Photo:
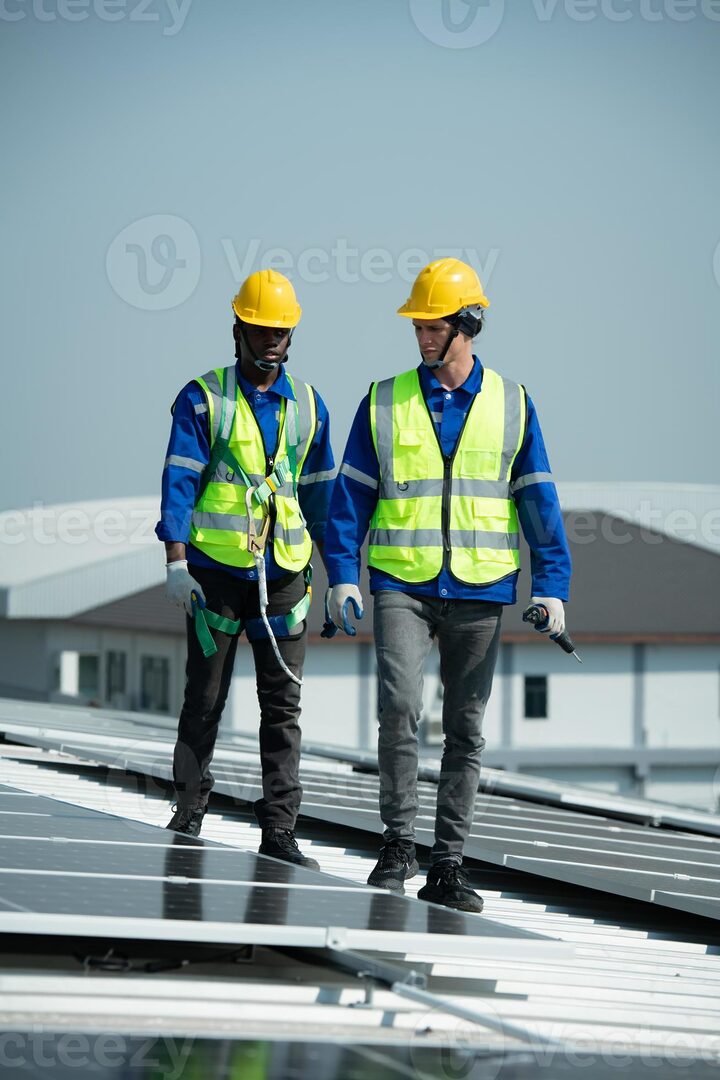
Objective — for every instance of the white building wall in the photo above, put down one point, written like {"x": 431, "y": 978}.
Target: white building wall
{"x": 673, "y": 690}
{"x": 685, "y": 785}
{"x": 589, "y": 704}
{"x": 682, "y": 695}
{"x": 241, "y": 710}
{"x": 332, "y": 696}
{"x": 66, "y": 637}
{"x": 336, "y": 700}
{"x": 23, "y": 659}
{"x": 613, "y": 779}
{"x": 492, "y": 723}
{"x": 593, "y": 704}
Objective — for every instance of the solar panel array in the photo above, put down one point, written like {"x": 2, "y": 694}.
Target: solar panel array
{"x": 657, "y": 865}
{"x": 636, "y": 978}
{"x": 89, "y": 873}
{"x": 541, "y": 789}
{"x": 536, "y": 789}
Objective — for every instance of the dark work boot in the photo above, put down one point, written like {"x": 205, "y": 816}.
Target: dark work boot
{"x": 280, "y": 843}
{"x": 187, "y": 819}
{"x": 396, "y": 864}
{"x": 448, "y": 884}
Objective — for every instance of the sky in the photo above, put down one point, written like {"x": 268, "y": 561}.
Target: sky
{"x": 157, "y": 151}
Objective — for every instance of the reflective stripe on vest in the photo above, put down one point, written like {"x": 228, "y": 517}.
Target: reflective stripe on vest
{"x": 219, "y": 524}
{"x": 460, "y": 509}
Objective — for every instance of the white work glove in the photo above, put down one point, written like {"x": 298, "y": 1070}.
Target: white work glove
{"x": 556, "y": 614}
{"x": 180, "y": 585}
{"x": 337, "y": 604}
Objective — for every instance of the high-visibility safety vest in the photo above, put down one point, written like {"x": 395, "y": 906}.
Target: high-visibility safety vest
{"x": 434, "y": 510}
{"x": 238, "y": 461}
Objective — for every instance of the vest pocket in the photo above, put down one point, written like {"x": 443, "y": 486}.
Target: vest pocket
{"x": 413, "y": 459}
{"x": 396, "y": 514}
{"x": 476, "y": 464}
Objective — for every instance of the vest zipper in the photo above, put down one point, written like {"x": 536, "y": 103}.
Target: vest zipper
{"x": 445, "y": 519}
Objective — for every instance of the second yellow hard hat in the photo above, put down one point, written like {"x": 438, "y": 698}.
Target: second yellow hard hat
{"x": 442, "y": 288}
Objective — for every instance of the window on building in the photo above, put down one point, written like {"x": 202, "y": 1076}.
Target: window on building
{"x": 77, "y": 674}
{"x": 115, "y": 676}
{"x": 89, "y": 675}
{"x": 155, "y": 683}
{"x": 536, "y": 697}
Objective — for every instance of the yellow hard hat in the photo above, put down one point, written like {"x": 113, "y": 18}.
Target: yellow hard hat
{"x": 442, "y": 288}
{"x": 267, "y": 298}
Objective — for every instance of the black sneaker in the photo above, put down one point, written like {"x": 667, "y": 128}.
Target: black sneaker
{"x": 281, "y": 844}
{"x": 187, "y": 819}
{"x": 396, "y": 864}
{"x": 447, "y": 884}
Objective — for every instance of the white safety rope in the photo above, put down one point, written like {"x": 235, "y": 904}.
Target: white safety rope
{"x": 256, "y": 546}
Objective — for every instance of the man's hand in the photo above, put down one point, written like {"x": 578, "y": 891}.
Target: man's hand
{"x": 180, "y": 585}
{"x": 556, "y": 614}
{"x": 338, "y": 601}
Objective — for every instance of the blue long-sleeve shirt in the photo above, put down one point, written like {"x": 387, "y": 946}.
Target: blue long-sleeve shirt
{"x": 188, "y": 453}
{"x": 355, "y": 497}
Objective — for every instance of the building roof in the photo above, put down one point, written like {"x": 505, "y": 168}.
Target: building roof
{"x": 641, "y": 573}
{"x": 686, "y": 512}
{"x": 70, "y": 557}
{"x": 630, "y": 582}
{"x": 629, "y": 585}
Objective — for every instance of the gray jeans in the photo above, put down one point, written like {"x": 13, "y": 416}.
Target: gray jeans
{"x": 468, "y": 635}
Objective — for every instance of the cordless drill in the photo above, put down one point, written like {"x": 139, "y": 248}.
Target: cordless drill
{"x": 538, "y": 615}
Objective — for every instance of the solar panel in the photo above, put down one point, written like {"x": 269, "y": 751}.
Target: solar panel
{"x": 658, "y": 865}
{"x": 67, "y": 870}
{"x": 17, "y": 716}
{"x": 541, "y": 789}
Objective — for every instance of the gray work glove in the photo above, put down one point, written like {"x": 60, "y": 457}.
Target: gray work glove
{"x": 338, "y": 601}
{"x": 180, "y": 585}
{"x": 556, "y": 614}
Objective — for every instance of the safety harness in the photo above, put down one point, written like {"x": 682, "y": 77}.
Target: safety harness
{"x": 274, "y": 626}
{"x": 278, "y": 626}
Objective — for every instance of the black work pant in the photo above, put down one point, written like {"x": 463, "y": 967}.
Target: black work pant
{"x": 206, "y": 689}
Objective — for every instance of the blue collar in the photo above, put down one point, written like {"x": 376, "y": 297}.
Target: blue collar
{"x": 281, "y": 386}
{"x": 472, "y": 385}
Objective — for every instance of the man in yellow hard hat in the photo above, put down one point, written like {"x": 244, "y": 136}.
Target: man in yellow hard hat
{"x": 443, "y": 465}
{"x": 245, "y": 492}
